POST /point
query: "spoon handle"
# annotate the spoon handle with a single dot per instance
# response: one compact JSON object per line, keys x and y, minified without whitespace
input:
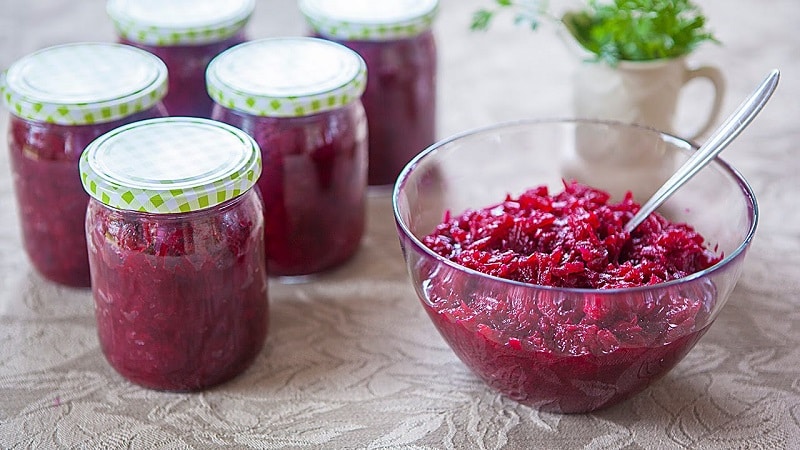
{"x":720,"y":139}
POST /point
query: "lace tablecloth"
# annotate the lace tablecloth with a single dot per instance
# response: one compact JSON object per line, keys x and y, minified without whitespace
{"x":352,"y":361}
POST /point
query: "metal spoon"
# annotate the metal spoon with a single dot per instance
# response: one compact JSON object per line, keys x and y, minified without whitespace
{"x":720,"y":139}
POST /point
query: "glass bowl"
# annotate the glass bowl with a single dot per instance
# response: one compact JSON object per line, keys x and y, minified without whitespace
{"x":526,"y":340}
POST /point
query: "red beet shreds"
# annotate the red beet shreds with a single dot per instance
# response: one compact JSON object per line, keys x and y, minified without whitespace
{"x":571,"y":239}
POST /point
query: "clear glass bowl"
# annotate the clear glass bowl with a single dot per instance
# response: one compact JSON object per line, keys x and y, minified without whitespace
{"x":512,"y":334}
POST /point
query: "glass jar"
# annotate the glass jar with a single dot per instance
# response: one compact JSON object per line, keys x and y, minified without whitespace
{"x":176,"y":249}
{"x":299,"y":98}
{"x":186,"y":34}
{"x":396,"y":40}
{"x":61,"y":98}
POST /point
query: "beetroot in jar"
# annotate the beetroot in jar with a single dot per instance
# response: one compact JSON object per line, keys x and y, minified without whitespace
{"x":299,"y":99}
{"x":566,"y":348}
{"x":186,"y":34}
{"x":396,"y":40}
{"x":175,"y":230}
{"x":61,"y":98}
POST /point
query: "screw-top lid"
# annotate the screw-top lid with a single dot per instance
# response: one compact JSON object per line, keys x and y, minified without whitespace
{"x":170,"y":165}
{"x":179,"y":22}
{"x":85,"y":83}
{"x":286,"y":77}
{"x":369,"y":20}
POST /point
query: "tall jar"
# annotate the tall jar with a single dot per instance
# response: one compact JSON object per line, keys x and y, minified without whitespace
{"x":396,"y":40}
{"x":176,"y":249}
{"x":61,"y":98}
{"x":186,"y":34}
{"x":299,"y":98}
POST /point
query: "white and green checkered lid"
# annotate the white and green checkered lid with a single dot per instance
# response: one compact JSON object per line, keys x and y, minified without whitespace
{"x":170,"y":165}
{"x":83,"y":83}
{"x":286,"y":77}
{"x":369,"y":20}
{"x":179,"y":22}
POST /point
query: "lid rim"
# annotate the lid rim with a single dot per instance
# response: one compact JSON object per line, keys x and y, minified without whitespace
{"x":23,"y":101}
{"x":280,"y":101}
{"x":161,"y":34}
{"x":365,"y":28}
{"x":190,"y":192}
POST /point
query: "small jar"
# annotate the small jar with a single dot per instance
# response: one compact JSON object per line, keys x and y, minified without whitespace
{"x":186,"y":34}
{"x":299,"y":98}
{"x":61,"y":98}
{"x":176,"y":248}
{"x":396,"y":40}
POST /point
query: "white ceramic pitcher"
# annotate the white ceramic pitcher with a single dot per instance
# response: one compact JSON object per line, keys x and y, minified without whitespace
{"x":642,"y":92}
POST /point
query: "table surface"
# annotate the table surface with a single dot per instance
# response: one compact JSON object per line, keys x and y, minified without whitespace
{"x":352,"y":361}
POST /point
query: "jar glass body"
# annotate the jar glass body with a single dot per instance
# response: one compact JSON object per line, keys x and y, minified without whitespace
{"x":400,"y":101}
{"x":180,"y":299}
{"x":313,"y":184}
{"x":50,"y":199}
{"x":187,"y":65}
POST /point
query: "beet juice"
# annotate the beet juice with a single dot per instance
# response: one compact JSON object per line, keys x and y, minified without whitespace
{"x":395,"y":39}
{"x":176,"y":248}
{"x":61,"y":98}
{"x":299,"y":99}
{"x":186,"y":35}
{"x":568,"y":350}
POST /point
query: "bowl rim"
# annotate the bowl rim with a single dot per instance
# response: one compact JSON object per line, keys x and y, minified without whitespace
{"x":433,"y":148}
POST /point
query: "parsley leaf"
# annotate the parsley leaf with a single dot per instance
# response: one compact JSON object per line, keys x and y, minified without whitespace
{"x":629,"y":30}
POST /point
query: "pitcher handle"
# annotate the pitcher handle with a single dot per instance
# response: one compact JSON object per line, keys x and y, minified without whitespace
{"x":714,"y":75}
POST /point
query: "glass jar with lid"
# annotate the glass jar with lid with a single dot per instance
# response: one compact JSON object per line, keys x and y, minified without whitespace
{"x":61,"y":98}
{"x":176,"y":247}
{"x":299,"y":97}
{"x":396,"y":40}
{"x":186,"y":34}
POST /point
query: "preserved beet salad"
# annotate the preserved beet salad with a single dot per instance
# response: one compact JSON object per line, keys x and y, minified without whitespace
{"x":186,"y":35}
{"x":561,"y":351}
{"x":299,"y":98}
{"x":62,"y":98}
{"x":396,"y":40}
{"x":176,"y":248}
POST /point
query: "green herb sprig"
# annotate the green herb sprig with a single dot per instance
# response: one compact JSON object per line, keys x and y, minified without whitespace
{"x":621,"y":30}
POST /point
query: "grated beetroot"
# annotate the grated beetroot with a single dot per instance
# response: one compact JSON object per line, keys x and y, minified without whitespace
{"x":186,"y":93}
{"x":561,"y":351}
{"x":180,"y":299}
{"x":573,"y":239}
{"x":400,"y":101}
{"x":52,"y":202}
{"x":313,"y":185}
